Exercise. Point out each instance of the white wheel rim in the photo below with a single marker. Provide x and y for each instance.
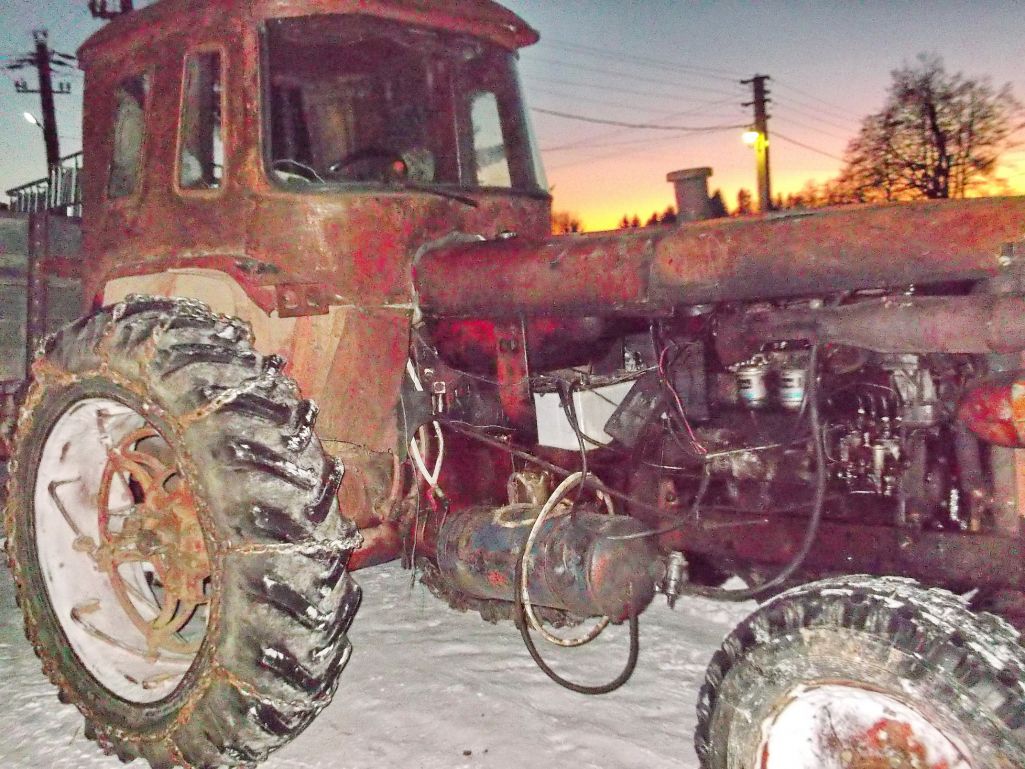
(88, 587)
(845, 726)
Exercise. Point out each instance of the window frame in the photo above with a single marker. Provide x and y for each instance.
(119, 201)
(265, 88)
(202, 192)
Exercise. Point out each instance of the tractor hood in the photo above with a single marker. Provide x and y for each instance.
(655, 270)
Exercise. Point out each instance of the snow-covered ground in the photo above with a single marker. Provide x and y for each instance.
(429, 688)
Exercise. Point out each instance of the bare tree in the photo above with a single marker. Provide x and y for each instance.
(937, 136)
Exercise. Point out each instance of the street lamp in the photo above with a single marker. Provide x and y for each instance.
(750, 137)
(30, 118)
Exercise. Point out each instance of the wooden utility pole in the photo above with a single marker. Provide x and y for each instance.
(761, 126)
(53, 152)
(43, 60)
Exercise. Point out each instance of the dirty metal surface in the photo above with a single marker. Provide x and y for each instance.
(953, 560)
(577, 564)
(979, 324)
(481, 18)
(649, 271)
(352, 247)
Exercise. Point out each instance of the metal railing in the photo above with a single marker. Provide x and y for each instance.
(60, 192)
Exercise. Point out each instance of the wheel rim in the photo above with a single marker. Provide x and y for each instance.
(121, 549)
(845, 726)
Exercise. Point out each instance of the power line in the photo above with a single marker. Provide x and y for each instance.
(844, 112)
(618, 153)
(629, 76)
(661, 95)
(602, 145)
(808, 147)
(646, 126)
(816, 129)
(623, 104)
(589, 140)
(662, 64)
(788, 105)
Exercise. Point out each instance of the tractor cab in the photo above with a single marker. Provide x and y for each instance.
(304, 135)
(356, 101)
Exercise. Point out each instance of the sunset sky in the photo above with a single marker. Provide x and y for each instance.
(665, 62)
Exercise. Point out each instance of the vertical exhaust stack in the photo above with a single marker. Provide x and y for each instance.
(691, 187)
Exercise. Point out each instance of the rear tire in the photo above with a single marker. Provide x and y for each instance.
(192, 482)
(864, 672)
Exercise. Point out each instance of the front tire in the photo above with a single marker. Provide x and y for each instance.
(175, 539)
(864, 672)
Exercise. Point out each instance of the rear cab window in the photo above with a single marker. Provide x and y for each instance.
(201, 130)
(129, 136)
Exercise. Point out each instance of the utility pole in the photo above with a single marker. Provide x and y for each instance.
(761, 144)
(44, 60)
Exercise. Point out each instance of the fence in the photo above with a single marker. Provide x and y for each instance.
(60, 192)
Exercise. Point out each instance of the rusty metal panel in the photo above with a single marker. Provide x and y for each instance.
(838, 249)
(481, 18)
(958, 561)
(357, 247)
(650, 271)
(505, 278)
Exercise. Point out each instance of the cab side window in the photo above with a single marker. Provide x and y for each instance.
(129, 133)
(489, 146)
(201, 153)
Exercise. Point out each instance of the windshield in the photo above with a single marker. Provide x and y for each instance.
(359, 100)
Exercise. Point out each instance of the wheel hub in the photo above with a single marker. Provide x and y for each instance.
(845, 726)
(121, 548)
(162, 530)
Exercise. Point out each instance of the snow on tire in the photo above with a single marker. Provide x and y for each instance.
(864, 672)
(174, 536)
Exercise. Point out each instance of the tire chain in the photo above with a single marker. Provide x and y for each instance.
(242, 721)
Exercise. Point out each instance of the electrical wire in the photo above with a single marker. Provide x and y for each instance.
(646, 126)
(778, 135)
(788, 106)
(660, 64)
(837, 109)
(631, 76)
(819, 503)
(523, 625)
(430, 476)
(523, 585)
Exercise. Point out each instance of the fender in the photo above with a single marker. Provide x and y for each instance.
(348, 359)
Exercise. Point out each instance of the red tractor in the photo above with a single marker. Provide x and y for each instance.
(329, 328)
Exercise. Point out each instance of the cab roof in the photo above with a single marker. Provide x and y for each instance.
(144, 27)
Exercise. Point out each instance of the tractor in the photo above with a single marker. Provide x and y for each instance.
(325, 326)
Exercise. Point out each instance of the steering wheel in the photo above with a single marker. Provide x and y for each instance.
(294, 170)
(370, 164)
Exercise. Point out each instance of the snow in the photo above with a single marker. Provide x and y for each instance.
(430, 688)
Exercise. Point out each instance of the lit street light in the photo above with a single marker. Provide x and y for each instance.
(30, 118)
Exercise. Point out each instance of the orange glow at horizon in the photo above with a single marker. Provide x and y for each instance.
(601, 204)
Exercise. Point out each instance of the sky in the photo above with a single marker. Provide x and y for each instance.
(663, 62)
